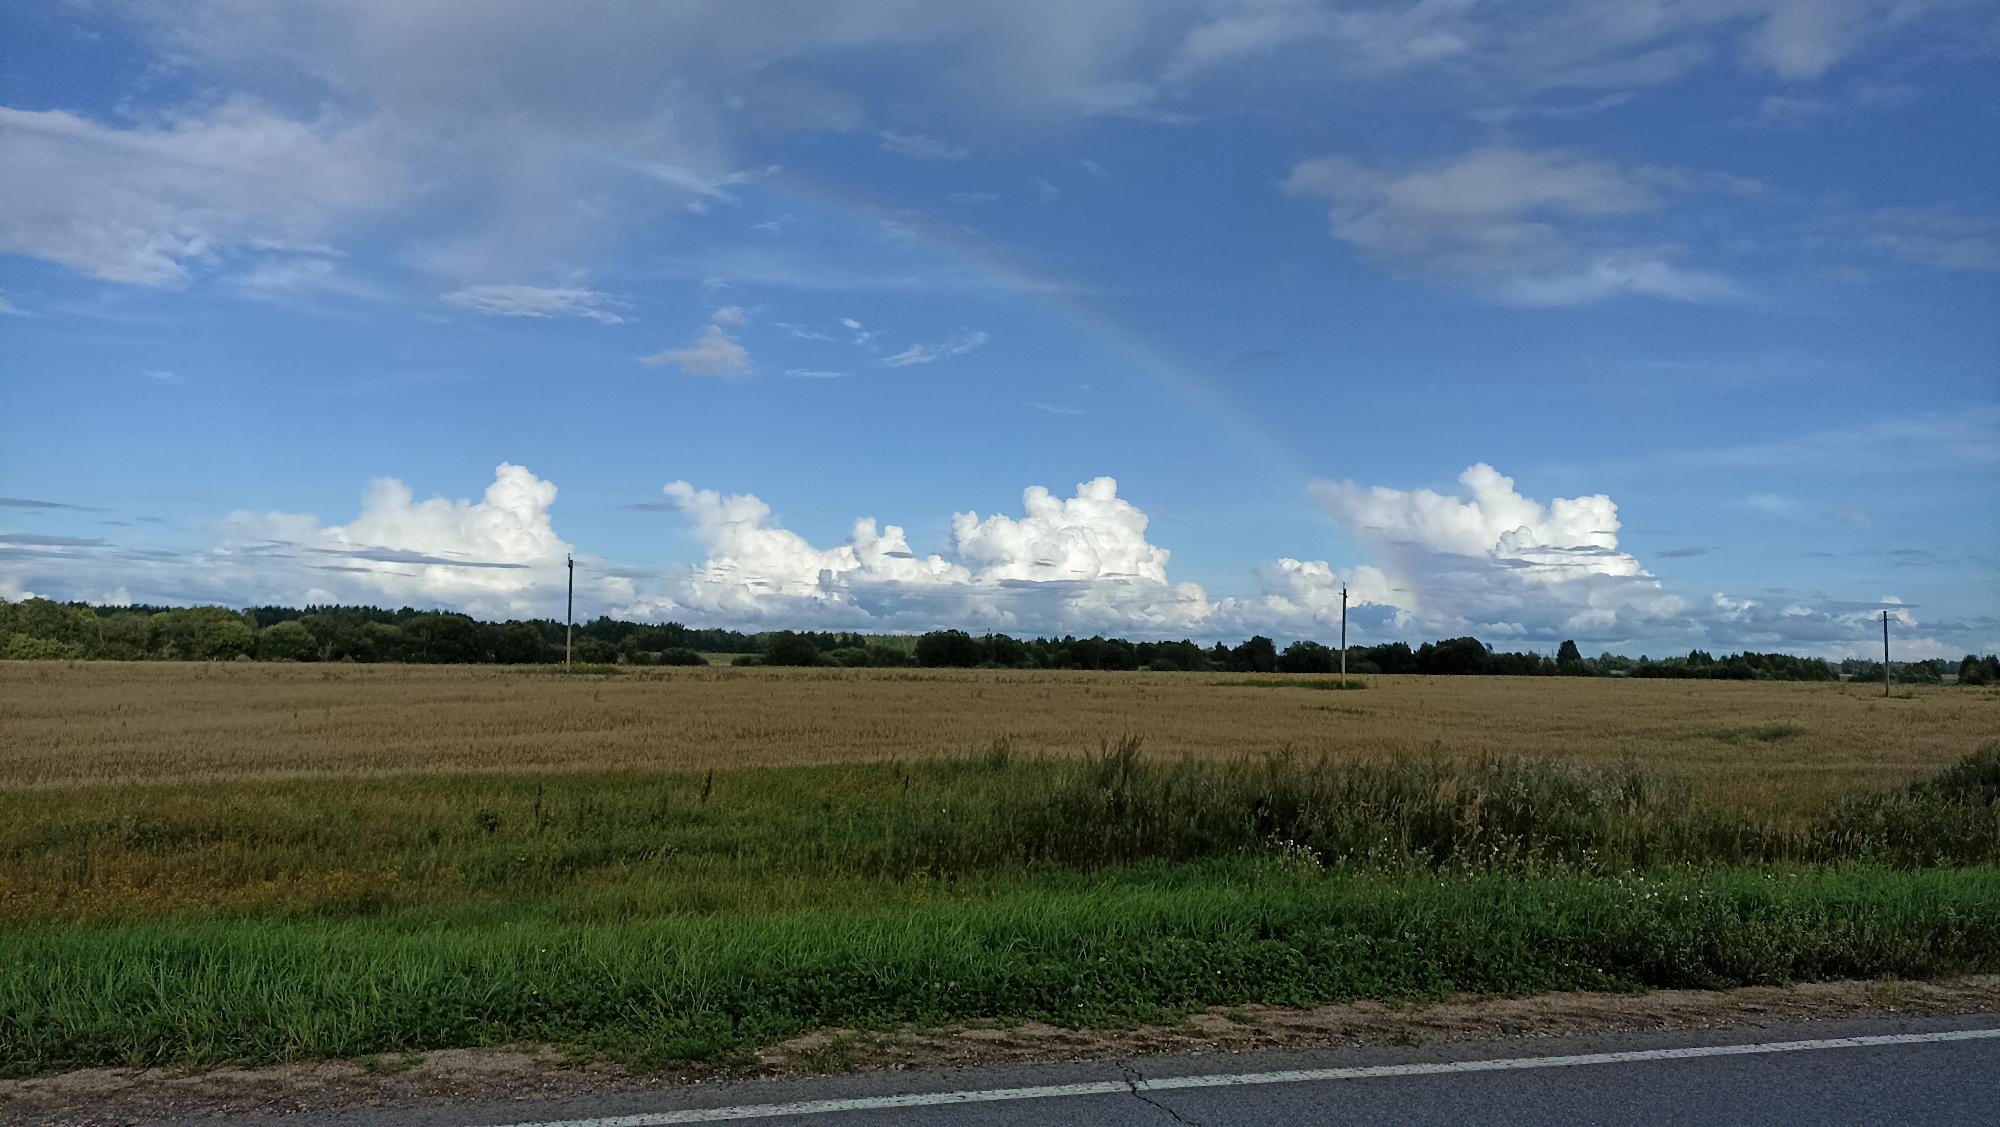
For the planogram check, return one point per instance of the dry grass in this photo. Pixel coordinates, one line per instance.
(1770, 746)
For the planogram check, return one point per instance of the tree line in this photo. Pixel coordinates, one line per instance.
(41, 629)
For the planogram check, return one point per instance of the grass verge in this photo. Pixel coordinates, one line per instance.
(1138, 944)
(664, 918)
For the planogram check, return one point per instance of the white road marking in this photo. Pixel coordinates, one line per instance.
(1295, 1076)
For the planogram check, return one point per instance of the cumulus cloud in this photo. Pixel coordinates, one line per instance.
(957, 344)
(713, 353)
(1485, 560)
(1076, 563)
(538, 301)
(459, 552)
(1493, 559)
(497, 556)
(1529, 227)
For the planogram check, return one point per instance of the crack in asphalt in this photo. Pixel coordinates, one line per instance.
(1132, 1078)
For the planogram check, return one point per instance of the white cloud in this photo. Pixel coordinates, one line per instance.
(498, 556)
(150, 205)
(920, 146)
(1504, 115)
(475, 130)
(1784, 111)
(1804, 38)
(957, 344)
(713, 353)
(160, 375)
(1077, 563)
(456, 552)
(1455, 563)
(1529, 227)
(815, 374)
(9, 309)
(864, 337)
(1548, 45)
(538, 301)
(1488, 561)
(1942, 236)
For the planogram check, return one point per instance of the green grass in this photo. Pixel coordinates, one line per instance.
(672, 917)
(1140, 944)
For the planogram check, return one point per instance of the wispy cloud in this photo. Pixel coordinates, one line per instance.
(920, 146)
(26, 503)
(1528, 227)
(538, 301)
(1571, 111)
(1054, 409)
(37, 540)
(815, 374)
(958, 344)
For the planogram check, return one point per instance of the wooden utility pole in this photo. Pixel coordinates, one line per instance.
(1343, 633)
(569, 612)
(1885, 653)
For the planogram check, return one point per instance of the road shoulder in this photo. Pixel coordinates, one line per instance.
(494, 1076)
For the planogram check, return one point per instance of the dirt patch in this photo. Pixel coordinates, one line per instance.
(98, 1097)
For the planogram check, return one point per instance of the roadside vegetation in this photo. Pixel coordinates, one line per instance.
(666, 917)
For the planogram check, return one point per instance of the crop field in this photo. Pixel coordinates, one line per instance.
(1769, 745)
(251, 862)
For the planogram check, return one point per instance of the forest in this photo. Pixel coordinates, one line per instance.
(40, 629)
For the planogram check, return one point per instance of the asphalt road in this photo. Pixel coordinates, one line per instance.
(1937, 1072)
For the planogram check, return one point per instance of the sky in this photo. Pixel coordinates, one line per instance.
(1654, 325)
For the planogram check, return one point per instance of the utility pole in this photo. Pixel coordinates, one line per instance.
(569, 612)
(1885, 653)
(1343, 633)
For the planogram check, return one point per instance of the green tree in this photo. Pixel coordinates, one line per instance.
(1258, 655)
(1568, 653)
(26, 647)
(286, 641)
(519, 643)
(788, 648)
(941, 648)
(1453, 656)
(1308, 657)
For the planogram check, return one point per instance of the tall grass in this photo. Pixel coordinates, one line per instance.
(684, 916)
(1138, 944)
(370, 845)
(1117, 806)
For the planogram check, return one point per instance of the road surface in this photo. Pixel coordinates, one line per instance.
(1938, 1072)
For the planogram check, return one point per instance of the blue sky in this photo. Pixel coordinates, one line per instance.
(1652, 325)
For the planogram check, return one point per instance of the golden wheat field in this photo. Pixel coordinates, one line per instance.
(1759, 745)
